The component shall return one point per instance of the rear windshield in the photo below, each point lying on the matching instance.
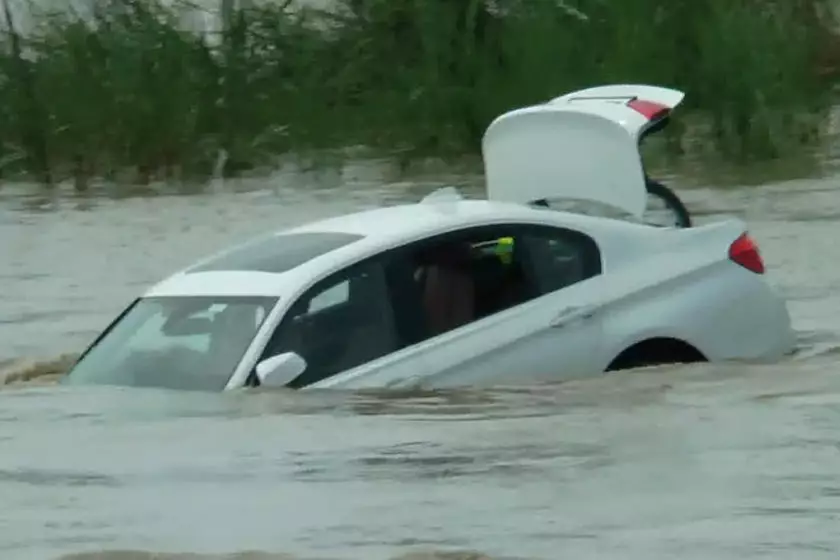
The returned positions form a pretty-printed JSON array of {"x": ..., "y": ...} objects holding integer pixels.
[{"x": 278, "y": 253}]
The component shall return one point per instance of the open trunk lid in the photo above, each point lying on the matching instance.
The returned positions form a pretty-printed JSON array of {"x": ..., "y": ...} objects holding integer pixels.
[{"x": 579, "y": 146}]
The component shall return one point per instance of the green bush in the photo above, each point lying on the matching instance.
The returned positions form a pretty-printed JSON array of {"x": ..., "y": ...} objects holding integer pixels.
[{"x": 127, "y": 89}]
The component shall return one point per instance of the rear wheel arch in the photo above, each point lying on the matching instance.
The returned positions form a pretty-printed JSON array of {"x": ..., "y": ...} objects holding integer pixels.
[{"x": 656, "y": 351}]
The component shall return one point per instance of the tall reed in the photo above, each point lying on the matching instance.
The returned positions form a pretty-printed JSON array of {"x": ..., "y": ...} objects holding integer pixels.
[{"x": 127, "y": 88}]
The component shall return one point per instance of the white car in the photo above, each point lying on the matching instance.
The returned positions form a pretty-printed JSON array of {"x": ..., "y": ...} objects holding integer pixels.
[{"x": 452, "y": 292}]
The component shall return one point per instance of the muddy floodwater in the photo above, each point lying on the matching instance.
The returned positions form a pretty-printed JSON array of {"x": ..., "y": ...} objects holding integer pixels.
[{"x": 703, "y": 462}]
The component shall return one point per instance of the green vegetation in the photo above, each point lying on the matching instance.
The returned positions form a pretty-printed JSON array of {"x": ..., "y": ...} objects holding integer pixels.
[{"x": 127, "y": 91}]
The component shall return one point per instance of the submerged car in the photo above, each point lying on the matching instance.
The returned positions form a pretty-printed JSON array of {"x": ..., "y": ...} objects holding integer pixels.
[{"x": 451, "y": 291}]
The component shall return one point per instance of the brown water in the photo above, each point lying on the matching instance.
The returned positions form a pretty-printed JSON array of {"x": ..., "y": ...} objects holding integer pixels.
[{"x": 700, "y": 462}]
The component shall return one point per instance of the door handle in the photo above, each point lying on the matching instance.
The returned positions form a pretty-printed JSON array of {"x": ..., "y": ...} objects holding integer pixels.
[{"x": 573, "y": 313}]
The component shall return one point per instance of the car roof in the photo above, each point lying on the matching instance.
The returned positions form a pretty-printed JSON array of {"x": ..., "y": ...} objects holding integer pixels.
[
  {"x": 405, "y": 221},
  {"x": 340, "y": 240}
]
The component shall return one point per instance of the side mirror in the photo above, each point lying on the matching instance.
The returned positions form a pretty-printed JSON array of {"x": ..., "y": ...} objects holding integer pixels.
[{"x": 280, "y": 370}]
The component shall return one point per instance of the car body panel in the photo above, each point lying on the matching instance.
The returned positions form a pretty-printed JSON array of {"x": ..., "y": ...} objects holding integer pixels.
[
  {"x": 522, "y": 343},
  {"x": 724, "y": 311}
]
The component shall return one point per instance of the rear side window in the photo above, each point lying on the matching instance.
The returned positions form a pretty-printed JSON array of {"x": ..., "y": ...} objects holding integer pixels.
[
  {"x": 278, "y": 253},
  {"x": 562, "y": 257}
]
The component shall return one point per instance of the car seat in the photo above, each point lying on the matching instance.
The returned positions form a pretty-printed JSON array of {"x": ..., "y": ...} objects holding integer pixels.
[{"x": 449, "y": 297}]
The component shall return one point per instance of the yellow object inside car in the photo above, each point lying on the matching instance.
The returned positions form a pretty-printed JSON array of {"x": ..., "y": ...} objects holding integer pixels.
[{"x": 504, "y": 249}]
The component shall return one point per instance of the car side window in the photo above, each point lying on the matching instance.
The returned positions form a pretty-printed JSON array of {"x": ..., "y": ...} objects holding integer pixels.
[
  {"x": 341, "y": 322},
  {"x": 461, "y": 277},
  {"x": 334, "y": 295},
  {"x": 561, "y": 257}
]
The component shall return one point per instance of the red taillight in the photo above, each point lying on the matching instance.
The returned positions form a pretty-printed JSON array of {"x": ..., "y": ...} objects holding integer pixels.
[
  {"x": 650, "y": 110},
  {"x": 744, "y": 252}
]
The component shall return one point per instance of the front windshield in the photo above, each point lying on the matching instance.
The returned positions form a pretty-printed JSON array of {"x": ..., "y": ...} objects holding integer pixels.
[{"x": 185, "y": 342}]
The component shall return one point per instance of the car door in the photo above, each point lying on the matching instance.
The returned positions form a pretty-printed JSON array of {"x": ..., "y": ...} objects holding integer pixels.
[
  {"x": 554, "y": 335},
  {"x": 342, "y": 323},
  {"x": 544, "y": 326}
]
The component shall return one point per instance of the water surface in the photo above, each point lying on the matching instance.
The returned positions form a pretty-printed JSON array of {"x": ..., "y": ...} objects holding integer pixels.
[{"x": 726, "y": 462}]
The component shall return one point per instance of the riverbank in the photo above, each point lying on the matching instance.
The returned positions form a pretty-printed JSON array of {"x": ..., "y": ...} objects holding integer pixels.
[{"x": 129, "y": 94}]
